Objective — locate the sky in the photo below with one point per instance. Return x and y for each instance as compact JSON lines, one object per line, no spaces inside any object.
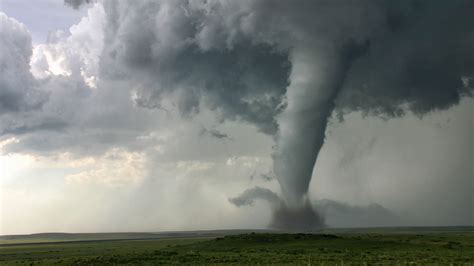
{"x":197,"y":115}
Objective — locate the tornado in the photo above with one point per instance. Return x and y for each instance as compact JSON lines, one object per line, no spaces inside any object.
{"x":302,"y":125}
{"x":310,"y":101}
{"x":318,"y":73}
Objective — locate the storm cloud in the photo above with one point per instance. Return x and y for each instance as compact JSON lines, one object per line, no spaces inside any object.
{"x":76,"y":3}
{"x":18,"y":88}
{"x":142,"y":76}
{"x":423,"y":61}
{"x":287,"y":66}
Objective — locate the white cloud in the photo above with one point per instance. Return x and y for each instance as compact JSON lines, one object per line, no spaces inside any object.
{"x":78,"y":52}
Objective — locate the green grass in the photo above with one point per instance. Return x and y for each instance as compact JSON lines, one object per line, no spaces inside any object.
{"x":260,"y":248}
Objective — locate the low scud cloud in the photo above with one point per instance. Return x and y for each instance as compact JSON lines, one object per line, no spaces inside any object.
{"x":284,"y":67}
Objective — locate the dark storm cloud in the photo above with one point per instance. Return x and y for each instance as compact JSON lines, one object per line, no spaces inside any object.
{"x":246,"y":83}
{"x":423,"y":61}
{"x":236,"y":55}
{"x":76,"y":3}
{"x":47,"y":125}
{"x":215,"y":134}
{"x":18,"y":88}
{"x":232,"y":56}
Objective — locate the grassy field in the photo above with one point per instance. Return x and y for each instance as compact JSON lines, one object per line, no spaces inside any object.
{"x":391,"y":247}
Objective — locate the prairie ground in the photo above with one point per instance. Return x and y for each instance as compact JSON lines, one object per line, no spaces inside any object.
{"x":330,"y":247}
